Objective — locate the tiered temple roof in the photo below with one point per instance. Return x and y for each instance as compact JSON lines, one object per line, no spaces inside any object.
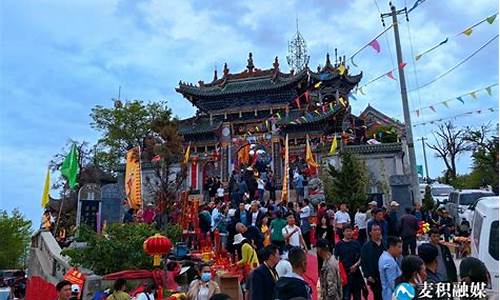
{"x":254,"y":88}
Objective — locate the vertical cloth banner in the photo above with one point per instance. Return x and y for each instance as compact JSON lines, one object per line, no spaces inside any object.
{"x":194,"y":174}
{"x":186,"y":155}
{"x":285,"y":188}
{"x":46,"y":188}
{"x":333,"y":148}
{"x":69,"y":167}
{"x":309,"y":155}
{"x":133,"y":178}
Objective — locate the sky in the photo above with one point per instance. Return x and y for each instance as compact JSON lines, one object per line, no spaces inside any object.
{"x":61,"y":58}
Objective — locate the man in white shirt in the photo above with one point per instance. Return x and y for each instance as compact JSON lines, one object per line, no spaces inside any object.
{"x":255,"y":214}
{"x":342,"y":218}
{"x":292,"y":234}
{"x":283,"y":267}
{"x":216,"y":216}
{"x":148,"y":293}
{"x":220,"y":193}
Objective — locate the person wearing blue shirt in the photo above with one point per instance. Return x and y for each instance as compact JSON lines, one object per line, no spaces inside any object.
{"x":299,"y":186}
{"x":388,"y":266}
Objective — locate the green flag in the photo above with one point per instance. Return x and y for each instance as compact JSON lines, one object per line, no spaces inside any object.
{"x":69,"y":167}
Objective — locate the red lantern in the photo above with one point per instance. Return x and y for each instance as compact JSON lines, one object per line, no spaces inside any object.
{"x":157,"y":246}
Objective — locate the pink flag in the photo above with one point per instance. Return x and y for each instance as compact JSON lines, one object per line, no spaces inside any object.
{"x":402,"y":65}
{"x":390,"y":75}
{"x":375,"y":45}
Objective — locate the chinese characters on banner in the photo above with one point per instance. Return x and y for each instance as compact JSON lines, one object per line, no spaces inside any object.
{"x":133,"y":178}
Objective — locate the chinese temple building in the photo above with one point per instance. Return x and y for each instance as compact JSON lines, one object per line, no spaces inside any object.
{"x":258,"y":107}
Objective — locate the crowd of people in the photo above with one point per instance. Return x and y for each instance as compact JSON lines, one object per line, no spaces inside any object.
{"x":364,"y":251}
{"x":367,"y":252}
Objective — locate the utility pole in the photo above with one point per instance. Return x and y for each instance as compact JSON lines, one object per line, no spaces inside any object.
{"x":404,"y":97}
{"x":423,"y":139}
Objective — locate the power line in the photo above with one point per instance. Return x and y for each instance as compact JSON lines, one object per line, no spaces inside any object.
{"x":477,"y":111}
{"x":455,"y":66}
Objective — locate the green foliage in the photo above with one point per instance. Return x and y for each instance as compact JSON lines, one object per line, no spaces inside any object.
{"x":15,"y":235}
{"x":428,"y":201}
{"x":121,"y":248}
{"x":350,"y":182}
{"x":127,"y":126}
{"x":386,"y":134}
{"x":485,"y":165}
{"x":328,"y":185}
{"x":173,"y":232}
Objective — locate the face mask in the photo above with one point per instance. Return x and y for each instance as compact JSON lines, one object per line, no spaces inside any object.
{"x":206,"y":277}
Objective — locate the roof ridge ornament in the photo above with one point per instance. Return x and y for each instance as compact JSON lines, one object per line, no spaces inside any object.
{"x":225,"y":71}
{"x":276,"y":64}
{"x":215,"y":74}
{"x":250,"y":65}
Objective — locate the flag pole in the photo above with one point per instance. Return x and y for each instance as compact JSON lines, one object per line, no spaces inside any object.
{"x":58,"y":217}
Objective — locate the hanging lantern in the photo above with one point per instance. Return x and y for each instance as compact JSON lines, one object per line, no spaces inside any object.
{"x":157,"y":246}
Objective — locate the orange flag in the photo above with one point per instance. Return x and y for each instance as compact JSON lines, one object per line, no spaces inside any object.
{"x":309,"y":155}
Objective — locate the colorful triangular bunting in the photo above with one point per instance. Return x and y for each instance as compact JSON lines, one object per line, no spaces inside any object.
{"x":375,"y":45}
{"x":467,"y":31}
{"x":491,"y":19}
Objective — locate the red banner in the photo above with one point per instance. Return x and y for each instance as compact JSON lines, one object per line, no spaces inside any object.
{"x":194,"y":174}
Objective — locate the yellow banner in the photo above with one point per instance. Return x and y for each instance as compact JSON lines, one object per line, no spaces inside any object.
{"x":133,"y":178}
{"x":46,"y":188}
{"x":284,"y":189}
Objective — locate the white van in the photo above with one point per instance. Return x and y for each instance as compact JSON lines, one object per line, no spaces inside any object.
{"x":440,"y":193}
{"x":485,"y":236}
{"x":459,"y":202}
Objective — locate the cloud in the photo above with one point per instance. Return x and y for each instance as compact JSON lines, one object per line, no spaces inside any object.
{"x":59,"y":59}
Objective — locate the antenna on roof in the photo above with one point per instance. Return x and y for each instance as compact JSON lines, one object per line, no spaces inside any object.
{"x":297,"y":57}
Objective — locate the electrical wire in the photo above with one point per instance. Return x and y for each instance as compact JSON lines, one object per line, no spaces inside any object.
{"x":455,"y":66}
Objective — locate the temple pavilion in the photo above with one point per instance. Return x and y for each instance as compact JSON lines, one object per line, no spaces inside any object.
{"x":258,"y":107}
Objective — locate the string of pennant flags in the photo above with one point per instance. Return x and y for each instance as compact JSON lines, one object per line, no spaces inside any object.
{"x":372,"y":43}
{"x":477,"y":111}
{"x":460,"y":98}
{"x":455,"y":66}
{"x":467,"y":32}
{"x":389,"y":74}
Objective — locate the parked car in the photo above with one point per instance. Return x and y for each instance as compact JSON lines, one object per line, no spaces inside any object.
{"x":6,"y":293}
{"x":459,"y":202}
{"x":485,"y":235}
{"x":440,"y":193}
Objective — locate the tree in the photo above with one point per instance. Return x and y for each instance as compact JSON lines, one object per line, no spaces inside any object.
{"x":119,"y":248}
{"x":150,"y":126}
{"x":15,"y":232}
{"x":350,"y":182}
{"x":450,"y":142}
{"x":428,"y":201}
{"x":126,"y":126}
{"x":484,"y":149}
{"x":386,"y":134}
